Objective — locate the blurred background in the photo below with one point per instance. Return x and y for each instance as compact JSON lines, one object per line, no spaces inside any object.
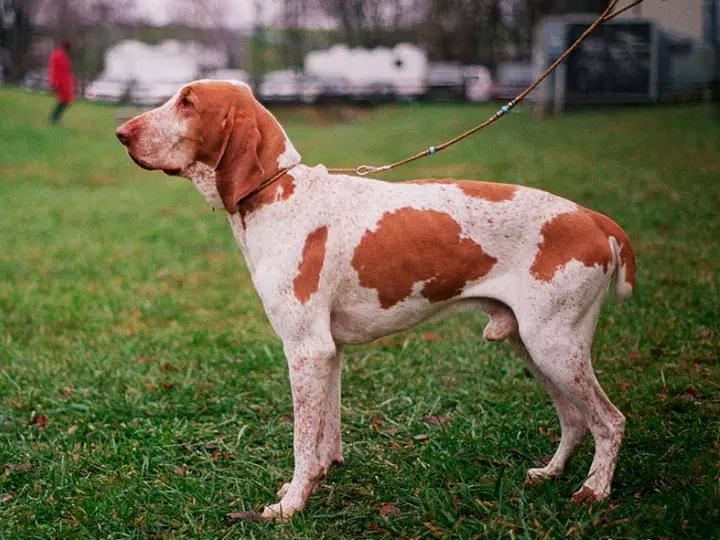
{"x":366,"y":51}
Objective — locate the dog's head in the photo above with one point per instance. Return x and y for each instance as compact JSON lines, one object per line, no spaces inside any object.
{"x":219,"y":124}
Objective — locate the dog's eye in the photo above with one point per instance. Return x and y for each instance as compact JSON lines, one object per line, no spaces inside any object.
{"x":185,"y":102}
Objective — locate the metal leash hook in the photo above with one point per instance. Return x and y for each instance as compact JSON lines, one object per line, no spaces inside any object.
{"x":364,"y":170}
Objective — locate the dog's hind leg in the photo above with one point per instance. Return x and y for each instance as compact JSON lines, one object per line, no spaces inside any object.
{"x":560,"y":352}
{"x":573,"y":427}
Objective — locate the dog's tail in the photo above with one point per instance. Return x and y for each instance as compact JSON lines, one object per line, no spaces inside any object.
{"x":623,"y":256}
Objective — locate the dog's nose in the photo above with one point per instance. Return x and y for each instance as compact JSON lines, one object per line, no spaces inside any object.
{"x":123,"y":133}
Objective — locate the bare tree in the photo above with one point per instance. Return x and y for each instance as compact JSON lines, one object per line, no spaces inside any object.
{"x":211,"y":14}
{"x":370,"y":22}
{"x":471,"y":31}
{"x":201,"y":13}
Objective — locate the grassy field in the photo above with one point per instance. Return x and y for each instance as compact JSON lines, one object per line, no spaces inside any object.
{"x":144,"y":394}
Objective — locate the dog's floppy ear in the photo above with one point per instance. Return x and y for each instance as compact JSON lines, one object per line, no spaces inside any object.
{"x":238,"y":170}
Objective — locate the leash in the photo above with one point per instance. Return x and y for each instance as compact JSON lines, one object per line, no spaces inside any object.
{"x":266,"y":183}
{"x":607,"y":15}
{"x":364,"y":170}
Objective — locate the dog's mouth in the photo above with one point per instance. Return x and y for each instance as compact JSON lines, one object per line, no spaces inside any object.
{"x":175,"y":171}
{"x":140,"y":163}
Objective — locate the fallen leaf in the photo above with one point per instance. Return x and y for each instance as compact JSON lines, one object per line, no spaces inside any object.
{"x":486,"y":504}
{"x":180,"y":471}
{"x":703,"y":333}
{"x":168,"y":385}
{"x":11,"y":468}
{"x":286,"y":420}
{"x":390,"y":430}
{"x":691,"y":394}
{"x":162,"y":273}
{"x":388,"y":509}
{"x":435,"y":419}
{"x":430,"y":337}
{"x":375,"y":529}
{"x":199,"y":447}
{"x":421,"y":438}
{"x":635,"y":356}
{"x":434,"y":529}
{"x":6,"y":498}
{"x":40,"y":420}
{"x":656,"y":351}
{"x":246,"y":516}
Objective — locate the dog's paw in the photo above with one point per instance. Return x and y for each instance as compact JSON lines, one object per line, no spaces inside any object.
{"x":278,"y":512}
{"x":535,"y":477}
{"x":589,"y":495}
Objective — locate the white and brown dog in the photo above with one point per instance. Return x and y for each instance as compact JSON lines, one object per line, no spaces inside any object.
{"x":342,"y":260}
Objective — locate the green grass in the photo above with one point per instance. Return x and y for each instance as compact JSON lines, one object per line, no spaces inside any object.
{"x":129,"y":325}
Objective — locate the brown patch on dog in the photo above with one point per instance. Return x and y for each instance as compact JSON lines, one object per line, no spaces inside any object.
{"x":479,"y":190}
{"x":411,"y":246}
{"x":280,"y":190}
{"x":308,"y":279}
{"x":581,"y":236}
{"x":627,"y":256}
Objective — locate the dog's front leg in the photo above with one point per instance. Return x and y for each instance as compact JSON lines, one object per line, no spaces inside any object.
{"x":315,"y":382}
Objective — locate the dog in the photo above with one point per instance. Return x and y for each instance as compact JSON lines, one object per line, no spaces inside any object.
{"x":339,"y":260}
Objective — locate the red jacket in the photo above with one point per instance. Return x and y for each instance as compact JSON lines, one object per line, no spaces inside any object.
{"x":60,"y":75}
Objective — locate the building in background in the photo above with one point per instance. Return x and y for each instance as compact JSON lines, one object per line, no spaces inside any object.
{"x":655,"y":51}
{"x":682,"y":17}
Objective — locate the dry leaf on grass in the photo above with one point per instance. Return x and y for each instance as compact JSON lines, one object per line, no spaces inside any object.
{"x":435,"y":419}
{"x":40,"y":420}
{"x":430,"y":337}
{"x":434,"y":529}
{"x":11,"y":468}
{"x":388,"y":509}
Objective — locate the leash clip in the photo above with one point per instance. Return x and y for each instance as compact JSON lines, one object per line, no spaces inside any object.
{"x":364,"y":170}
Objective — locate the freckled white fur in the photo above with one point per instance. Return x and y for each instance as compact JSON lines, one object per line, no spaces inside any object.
{"x":203,"y":178}
{"x":550,"y":324}
{"x":290,"y":156}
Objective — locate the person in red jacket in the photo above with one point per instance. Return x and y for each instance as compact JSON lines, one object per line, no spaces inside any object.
{"x":61,"y":79}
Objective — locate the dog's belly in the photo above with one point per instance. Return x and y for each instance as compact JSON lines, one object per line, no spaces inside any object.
{"x":364,"y":322}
